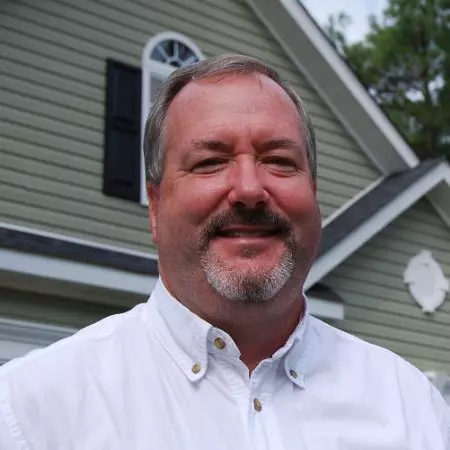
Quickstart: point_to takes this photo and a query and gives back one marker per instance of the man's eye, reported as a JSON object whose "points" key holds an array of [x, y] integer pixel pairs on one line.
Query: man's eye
{"points": [[208, 165], [284, 163]]}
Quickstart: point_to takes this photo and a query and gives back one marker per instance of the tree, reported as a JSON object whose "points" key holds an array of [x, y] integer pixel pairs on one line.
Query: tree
{"points": [[404, 62]]}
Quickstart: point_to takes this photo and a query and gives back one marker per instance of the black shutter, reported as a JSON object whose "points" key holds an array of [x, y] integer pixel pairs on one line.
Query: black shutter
{"points": [[122, 157]]}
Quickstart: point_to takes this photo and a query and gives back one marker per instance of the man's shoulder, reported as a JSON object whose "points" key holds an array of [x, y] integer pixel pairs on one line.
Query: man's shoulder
{"points": [[348, 351], [60, 358]]}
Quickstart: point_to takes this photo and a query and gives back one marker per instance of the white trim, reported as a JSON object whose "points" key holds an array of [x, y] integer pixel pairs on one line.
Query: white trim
{"points": [[325, 308], [334, 215], [164, 70], [148, 68], [74, 240], [350, 81], [75, 272], [18, 337], [379, 221]]}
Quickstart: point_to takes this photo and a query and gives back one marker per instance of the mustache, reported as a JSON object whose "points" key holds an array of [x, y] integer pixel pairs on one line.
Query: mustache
{"points": [[241, 215]]}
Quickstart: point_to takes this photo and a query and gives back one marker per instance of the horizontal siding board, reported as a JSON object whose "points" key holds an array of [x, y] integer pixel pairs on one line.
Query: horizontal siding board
{"points": [[70, 176], [66, 70], [48, 95], [51, 309], [75, 183], [142, 19], [41, 214], [89, 209], [55, 50], [408, 350], [379, 280], [421, 213], [21, 132], [235, 8], [65, 114], [425, 331], [391, 304], [328, 150], [21, 73], [357, 289], [343, 172], [165, 15], [330, 124], [378, 304], [26, 153], [402, 254], [51, 125], [423, 341], [316, 105], [103, 18], [434, 236], [424, 364]]}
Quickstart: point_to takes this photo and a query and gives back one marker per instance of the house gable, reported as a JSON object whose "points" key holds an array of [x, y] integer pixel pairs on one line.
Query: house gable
{"points": [[364, 219], [310, 49], [325, 69], [378, 305]]}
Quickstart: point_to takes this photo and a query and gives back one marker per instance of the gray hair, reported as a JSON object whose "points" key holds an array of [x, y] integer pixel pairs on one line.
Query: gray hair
{"points": [[155, 130]]}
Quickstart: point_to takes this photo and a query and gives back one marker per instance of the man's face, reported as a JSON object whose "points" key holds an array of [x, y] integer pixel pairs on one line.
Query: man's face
{"points": [[237, 205]]}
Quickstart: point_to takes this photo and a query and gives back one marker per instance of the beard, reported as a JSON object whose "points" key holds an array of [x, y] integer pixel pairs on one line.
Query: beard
{"points": [[248, 286]]}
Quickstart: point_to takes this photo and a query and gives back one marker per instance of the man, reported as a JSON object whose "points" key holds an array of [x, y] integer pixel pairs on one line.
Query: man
{"points": [[224, 355]]}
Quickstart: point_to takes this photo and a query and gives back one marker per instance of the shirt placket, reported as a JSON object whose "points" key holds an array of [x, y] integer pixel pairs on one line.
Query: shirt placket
{"points": [[262, 423]]}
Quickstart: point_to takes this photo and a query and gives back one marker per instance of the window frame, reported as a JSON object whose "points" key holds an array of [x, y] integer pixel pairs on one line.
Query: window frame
{"points": [[159, 70]]}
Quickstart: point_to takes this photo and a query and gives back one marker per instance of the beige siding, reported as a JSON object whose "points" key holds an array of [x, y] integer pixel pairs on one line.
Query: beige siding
{"points": [[52, 107], [51, 309], [378, 306]]}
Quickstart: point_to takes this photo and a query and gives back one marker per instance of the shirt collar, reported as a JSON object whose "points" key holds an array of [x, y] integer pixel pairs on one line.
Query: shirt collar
{"points": [[189, 339]]}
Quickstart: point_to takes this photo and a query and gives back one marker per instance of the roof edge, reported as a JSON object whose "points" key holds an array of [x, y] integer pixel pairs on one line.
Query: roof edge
{"points": [[437, 177], [335, 82]]}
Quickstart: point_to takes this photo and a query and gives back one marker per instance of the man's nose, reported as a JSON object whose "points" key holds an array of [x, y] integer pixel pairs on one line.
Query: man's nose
{"points": [[246, 185]]}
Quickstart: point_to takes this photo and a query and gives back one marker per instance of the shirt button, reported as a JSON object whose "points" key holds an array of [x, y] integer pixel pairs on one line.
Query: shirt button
{"points": [[293, 373], [219, 343], [257, 405], [196, 368]]}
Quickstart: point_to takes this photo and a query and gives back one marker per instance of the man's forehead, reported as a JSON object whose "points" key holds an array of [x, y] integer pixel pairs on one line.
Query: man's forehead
{"points": [[256, 92], [208, 87]]}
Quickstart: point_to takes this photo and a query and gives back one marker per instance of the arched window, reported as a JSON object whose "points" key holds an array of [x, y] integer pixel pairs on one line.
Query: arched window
{"points": [[162, 54]]}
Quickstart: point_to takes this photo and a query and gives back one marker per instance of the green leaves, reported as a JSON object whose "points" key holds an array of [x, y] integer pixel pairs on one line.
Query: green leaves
{"points": [[404, 62]]}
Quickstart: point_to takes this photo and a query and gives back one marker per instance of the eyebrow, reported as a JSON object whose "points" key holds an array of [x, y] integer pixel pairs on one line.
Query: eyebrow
{"points": [[212, 144], [266, 146], [281, 143]]}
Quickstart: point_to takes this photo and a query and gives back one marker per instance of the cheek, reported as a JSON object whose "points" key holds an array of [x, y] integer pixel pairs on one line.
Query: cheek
{"points": [[193, 201], [296, 197]]}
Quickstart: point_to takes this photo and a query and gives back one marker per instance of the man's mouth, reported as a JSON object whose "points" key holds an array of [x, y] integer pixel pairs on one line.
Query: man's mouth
{"points": [[248, 232]]}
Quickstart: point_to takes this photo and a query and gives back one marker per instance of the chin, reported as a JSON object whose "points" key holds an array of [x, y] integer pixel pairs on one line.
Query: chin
{"points": [[249, 281]]}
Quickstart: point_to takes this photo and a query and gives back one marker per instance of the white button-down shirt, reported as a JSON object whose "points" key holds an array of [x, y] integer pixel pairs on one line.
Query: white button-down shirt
{"points": [[159, 377]]}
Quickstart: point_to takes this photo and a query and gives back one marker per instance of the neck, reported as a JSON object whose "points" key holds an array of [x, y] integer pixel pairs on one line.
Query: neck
{"points": [[260, 333], [258, 330]]}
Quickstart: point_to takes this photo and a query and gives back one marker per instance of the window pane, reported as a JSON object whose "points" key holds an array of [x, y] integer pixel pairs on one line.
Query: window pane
{"points": [[174, 53]]}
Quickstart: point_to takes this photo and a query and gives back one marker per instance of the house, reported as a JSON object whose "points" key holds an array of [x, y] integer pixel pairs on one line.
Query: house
{"points": [[76, 82]]}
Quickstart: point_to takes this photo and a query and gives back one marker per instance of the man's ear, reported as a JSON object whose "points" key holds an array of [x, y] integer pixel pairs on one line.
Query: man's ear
{"points": [[315, 186], [153, 203]]}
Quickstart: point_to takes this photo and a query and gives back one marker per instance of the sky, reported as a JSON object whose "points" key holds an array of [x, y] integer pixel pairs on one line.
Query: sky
{"points": [[358, 10]]}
